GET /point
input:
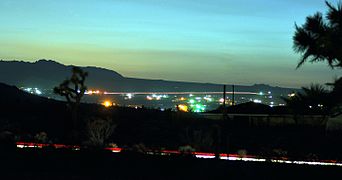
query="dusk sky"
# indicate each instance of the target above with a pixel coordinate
(216, 41)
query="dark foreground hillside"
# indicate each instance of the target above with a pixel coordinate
(38, 164)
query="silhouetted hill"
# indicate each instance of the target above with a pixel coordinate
(250, 108)
(24, 112)
(48, 74)
(11, 95)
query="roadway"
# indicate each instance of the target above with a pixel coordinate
(223, 156)
(178, 93)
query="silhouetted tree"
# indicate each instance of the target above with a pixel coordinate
(313, 99)
(41, 137)
(320, 39)
(199, 139)
(73, 90)
(336, 94)
(98, 131)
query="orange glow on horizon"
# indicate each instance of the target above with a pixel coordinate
(183, 108)
(107, 104)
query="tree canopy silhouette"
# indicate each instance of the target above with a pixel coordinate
(313, 99)
(336, 93)
(320, 38)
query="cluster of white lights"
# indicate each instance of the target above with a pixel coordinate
(156, 97)
(208, 98)
(90, 92)
(257, 101)
(129, 95)
(292, 95)
(33, 91)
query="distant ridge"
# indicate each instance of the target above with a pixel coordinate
(48, 74)
(12, 96)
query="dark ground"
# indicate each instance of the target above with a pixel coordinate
(59, 164)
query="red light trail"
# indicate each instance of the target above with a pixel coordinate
(223, 156)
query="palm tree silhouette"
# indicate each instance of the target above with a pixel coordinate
(336, 93)
(314, 98)
(320, 38)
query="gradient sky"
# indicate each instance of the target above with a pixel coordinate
(217, 41)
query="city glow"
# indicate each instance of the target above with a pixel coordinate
(198, 107)
(38, 91)
(292, 95)
(107, 103)
(183, 108)
(33, 90)
(129, 96)
(208, 98)
(90, 92)
(156, 97)
(149, 98)
(257, 101)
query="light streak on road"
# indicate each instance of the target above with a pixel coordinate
(177, 93)
(222, 156)
(42, 145)
(114, 150)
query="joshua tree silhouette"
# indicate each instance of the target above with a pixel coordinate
(73, 90)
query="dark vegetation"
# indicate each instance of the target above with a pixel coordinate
(319, 39)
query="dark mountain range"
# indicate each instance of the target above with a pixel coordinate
(47, 74)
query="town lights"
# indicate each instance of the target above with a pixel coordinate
(183, 108)
(107, 104)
